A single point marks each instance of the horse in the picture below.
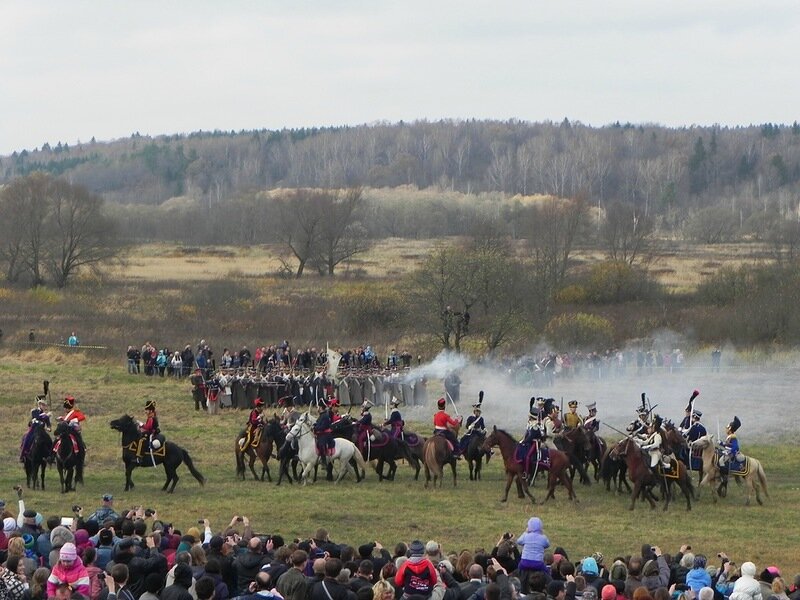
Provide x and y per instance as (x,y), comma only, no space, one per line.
(613,467)
(262,452)
(752,470)
(68,457)
(135,454)
(436,454)
(38,455)
(574,443)
(596,450)
(644,479)
(474,455)
(344,450)
(384,449)
(557,469)
(675,444)
(415,445)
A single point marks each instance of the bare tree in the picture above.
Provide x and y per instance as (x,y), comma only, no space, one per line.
(627,233)
(340,234)
(300,217)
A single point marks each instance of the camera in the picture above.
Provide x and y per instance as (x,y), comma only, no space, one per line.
(149,512)
(240,519)
(101,576)
(76,508)
(507,535)
(201,521)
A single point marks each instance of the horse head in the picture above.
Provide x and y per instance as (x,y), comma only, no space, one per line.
(125,424)
(62,428)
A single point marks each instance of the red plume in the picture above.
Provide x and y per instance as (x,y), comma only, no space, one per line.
(695,394)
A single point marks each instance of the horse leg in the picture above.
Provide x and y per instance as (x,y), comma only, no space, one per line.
(509,479)
(427,476)
(252,457)
(525,488)
(637,485)
(518,480)
(478,467)
(453,467)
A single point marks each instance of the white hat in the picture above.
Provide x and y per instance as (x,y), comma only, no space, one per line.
(9,525)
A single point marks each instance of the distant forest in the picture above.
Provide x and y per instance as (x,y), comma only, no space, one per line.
(710,183)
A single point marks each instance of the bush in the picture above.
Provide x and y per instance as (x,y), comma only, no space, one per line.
(579,331)
(612,282)
(370,307)
(571,294)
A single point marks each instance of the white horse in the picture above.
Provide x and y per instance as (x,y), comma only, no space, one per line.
(753,474)
(344,450)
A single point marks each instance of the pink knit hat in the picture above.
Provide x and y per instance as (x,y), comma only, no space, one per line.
(609,592)
(68,552)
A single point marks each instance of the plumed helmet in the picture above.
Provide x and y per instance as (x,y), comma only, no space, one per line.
(69,402)
(41,400)
(366,405)
(441,403)
(591,406)
(694,395)
(480,396)
(150,405)
(697,413)
(657,422)
(735,424)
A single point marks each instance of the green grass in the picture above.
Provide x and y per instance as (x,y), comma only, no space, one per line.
(468,516)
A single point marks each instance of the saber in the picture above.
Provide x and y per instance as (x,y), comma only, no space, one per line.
(453,402)
(627,435)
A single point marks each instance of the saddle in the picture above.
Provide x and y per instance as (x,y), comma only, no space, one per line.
(141,447)
(250,438)
(412,439)
(75,447)
(450,445)
(671,473)
(537,453)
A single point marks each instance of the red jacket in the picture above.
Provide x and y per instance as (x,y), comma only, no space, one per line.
(416,578)
(441,420)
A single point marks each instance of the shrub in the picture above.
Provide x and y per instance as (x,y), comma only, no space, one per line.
(571,294)
(611,282)
(579,330)
(369,307)
(43,295)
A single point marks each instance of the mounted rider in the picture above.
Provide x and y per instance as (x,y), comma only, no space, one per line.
(395,421)
(572,419)
(290,413)
(442,422)
(638,428)
(254,427)
(551,425)
(40,417)
(150,427)
(653,444)
(73,417)
(697,430)
(730,447)
(528,448)
(686,423)
(364,425)
(590,422)
(323,431)
(476,427)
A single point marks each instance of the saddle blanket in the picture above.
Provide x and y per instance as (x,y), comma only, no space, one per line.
(74,441)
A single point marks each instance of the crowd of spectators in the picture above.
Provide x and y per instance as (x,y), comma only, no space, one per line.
(153,361)
(137,554)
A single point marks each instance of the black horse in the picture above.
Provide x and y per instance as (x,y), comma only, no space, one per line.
(574,444)
(384,449)
(68,458)
(39,453)
(474,455)
(135,454)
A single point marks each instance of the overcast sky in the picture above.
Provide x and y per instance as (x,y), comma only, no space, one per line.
(70,70)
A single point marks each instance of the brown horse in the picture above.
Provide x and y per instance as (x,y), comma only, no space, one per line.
(436,454)
(574,443)
(263,452)
(515,471)
(644,479)
(755,478)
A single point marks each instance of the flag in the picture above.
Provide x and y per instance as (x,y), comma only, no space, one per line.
(333,361)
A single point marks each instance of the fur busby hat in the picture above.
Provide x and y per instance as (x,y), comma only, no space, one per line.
(694,395)
(549,405)
(735,424)
(657,422)
(150,405)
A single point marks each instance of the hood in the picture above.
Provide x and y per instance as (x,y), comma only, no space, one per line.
(589,566)
(183,576)
(60,536)
(535,525)
(250,560)
(748,569)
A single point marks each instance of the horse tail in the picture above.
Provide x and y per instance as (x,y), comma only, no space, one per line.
(79,470)
(362,464)
(762,478)
(240,470)
(188,460)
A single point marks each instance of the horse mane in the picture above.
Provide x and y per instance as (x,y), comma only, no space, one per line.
(506,434)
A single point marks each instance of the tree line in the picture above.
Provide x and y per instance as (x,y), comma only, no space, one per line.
(666,173)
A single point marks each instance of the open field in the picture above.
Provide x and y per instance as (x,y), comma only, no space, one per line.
(465,517)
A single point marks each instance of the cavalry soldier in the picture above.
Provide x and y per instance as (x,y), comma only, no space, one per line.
(638,428)
(39,416)
(254,425)
(475,425)
(697,430)
(652,444)
(364,425)
(74,417)
(591,423)
(686,423)
(150,427)
(730,446)
(572,419)
(551,424)
(324,432)
(527,449)
(290,413)
(395,421)
(442,423)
